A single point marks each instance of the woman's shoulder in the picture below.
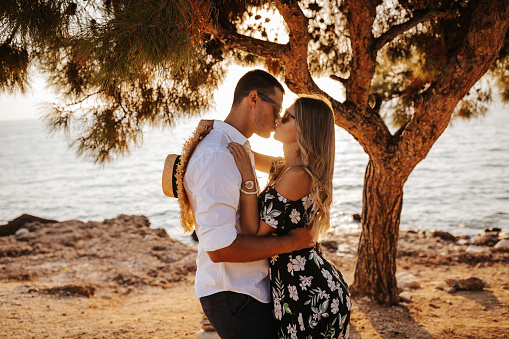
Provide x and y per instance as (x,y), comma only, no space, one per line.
(294,184)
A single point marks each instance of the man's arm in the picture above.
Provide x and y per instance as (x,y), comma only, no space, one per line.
(247,247)
(263,162)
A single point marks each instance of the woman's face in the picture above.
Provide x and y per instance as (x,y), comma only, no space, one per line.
(285,127)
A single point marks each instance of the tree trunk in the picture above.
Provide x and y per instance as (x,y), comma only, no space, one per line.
(376,263)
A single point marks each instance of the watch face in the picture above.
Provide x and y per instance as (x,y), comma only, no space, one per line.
(249,184)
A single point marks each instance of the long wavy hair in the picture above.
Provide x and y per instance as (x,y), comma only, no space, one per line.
(314,123)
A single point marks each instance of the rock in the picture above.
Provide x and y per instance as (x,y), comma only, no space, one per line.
(205,324)
(502,244)
(70,291)
(463,242)
(450,289)
(495,230)
(405,296)
(356,217)
(330,245)
(470,284)
(194,236)
(22,231)
(504,235)
(207,335)
(14,225)
(443,235)
(486,239)
(440,285)
(407,280)
(474,249)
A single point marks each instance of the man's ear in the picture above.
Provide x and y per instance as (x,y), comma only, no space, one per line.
(252,99)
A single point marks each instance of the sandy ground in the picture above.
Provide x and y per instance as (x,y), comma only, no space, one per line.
(121,279)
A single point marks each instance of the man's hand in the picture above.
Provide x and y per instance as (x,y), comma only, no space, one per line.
(304,237)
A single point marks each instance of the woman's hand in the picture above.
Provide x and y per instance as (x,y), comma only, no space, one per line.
(242,160)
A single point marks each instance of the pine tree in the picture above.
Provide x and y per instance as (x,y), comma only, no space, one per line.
(412,65)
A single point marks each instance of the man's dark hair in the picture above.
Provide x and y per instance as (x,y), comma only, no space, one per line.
(256,80)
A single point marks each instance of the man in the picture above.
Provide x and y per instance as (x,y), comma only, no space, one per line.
(232,275)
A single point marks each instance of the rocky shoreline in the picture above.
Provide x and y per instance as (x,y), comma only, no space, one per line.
(122,279)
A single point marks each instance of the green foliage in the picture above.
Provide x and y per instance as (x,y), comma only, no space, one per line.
(408,64)
(329,49)
(500,74)
(119,65)
(13,69)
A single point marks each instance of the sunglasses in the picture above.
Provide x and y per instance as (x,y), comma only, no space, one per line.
(266,98)
(287,117)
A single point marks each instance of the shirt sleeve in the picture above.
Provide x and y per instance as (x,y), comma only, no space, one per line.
(215,188)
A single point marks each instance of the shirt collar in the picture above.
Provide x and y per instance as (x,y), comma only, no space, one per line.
(231,131)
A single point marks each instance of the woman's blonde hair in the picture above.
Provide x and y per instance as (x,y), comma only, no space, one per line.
(314,123)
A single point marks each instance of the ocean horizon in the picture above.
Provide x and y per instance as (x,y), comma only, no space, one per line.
(461,187)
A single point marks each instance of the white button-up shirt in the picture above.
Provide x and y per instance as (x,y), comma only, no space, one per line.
(212,183)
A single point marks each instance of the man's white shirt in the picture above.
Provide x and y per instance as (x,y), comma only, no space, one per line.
(212,183)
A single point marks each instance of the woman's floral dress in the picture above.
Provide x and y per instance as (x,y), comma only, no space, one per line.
(309,293)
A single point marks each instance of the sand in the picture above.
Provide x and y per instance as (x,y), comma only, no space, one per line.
(122,279)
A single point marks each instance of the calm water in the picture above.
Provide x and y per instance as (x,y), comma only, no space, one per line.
(462,186)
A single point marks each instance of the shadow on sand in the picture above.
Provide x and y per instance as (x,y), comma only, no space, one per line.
(387,322)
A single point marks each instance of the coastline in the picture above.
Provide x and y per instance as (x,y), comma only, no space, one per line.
(122,279)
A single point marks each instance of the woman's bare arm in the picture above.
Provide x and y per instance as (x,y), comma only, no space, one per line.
(249,214)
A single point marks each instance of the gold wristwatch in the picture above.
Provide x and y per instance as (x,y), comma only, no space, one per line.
(248,184)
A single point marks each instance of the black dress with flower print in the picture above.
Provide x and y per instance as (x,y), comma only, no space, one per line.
(309,293)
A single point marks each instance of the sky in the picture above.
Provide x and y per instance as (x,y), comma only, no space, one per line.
(26,106)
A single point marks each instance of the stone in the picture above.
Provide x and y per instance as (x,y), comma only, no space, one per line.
(474,249)
(356,217)
(486,239)
(450,289)
(407,280)
(22,231)
(470,284)
(443,235)
(504,235)
(495,230)
(207,335)
(405,296)
(463,242)
(502,244)
(330,245)
(14,225)
(440,285)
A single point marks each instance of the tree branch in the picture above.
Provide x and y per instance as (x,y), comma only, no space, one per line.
(361,15)
(476,54)
(248,44)
(417,18)
(343,81)
(295,56)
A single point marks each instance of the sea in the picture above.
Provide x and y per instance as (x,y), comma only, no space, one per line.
(461,187)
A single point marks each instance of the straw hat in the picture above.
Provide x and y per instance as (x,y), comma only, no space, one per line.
(175,167)
(169,182)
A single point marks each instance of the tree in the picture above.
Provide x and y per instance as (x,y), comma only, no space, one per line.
(411,64)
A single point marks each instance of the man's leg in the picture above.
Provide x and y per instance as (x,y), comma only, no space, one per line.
(236,316)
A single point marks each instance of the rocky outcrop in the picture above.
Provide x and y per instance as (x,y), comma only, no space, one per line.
(14,225)
(123,251)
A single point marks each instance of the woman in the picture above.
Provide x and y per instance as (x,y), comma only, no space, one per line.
(310,295)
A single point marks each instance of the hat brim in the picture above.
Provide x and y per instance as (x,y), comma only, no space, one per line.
(169,180)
